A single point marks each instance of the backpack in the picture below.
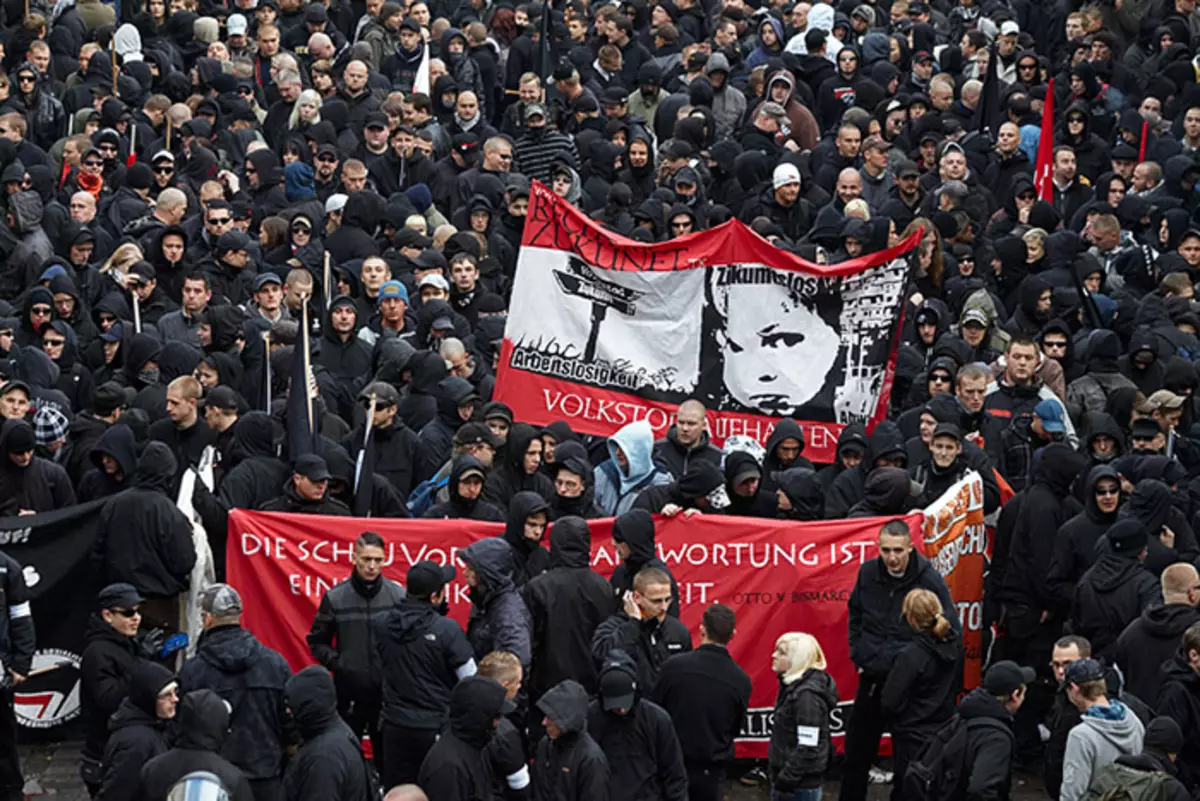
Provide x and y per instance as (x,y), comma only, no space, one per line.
(941,769)
(1117,782)
(423,496)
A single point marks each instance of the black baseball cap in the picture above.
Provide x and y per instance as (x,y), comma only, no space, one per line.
(427,577)
(118,596)
(1006,677)
(1082,671)
(475,434)
(312,467)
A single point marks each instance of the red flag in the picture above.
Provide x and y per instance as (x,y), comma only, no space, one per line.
(1145,136)
(1042,173)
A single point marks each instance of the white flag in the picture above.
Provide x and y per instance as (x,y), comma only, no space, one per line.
(421,82)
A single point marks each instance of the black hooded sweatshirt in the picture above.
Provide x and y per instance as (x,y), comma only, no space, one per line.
(142,537)
(571,767)
(1075,546)
(530,559)
(850,486)
(203,721)
(805,493)
(566,603)
(119,443)
(108,659)
(1151,503)
(41,485)
(1113,593)
(330,762)
(1148,642)
(455,767)
(509,477)
(1046,504)
(922,686)
(138,735)
(499,620)
(459,507)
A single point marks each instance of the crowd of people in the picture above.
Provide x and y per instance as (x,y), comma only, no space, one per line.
(200,195)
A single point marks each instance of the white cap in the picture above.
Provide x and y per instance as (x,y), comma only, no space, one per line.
(335,203)
(236,25)
(786,174)
(1009,28)
(433,279)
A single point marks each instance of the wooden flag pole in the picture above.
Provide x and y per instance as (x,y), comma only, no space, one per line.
(328,290)
(267,364)
(168,129)
(113,56)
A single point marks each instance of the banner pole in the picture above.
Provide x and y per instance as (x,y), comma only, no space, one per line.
(308,398)
(267,364)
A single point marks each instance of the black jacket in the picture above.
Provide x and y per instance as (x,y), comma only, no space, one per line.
(850,486)
(138,735)
(990,746)
(675,457)
(801,706)
(202,721)
(650,642)
(571,767)
(509,477)
(251,677)
(707,730)
(566,604)
(1179,699)
(1147,642)
(1046,504)
(292,502)
(456,767)
(877,628)
(642,749)
(342,637)
(41,486)
(396,454)
(142,537)
(16,625)
(329,764)
(435,442)
(418,652)
(924,681)
(1112,594)
(499,620)
(1075,546)
(107,661)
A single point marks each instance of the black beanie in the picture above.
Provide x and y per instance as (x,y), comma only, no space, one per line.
(700,479)
(20,439)
(1164,734)
(139,176)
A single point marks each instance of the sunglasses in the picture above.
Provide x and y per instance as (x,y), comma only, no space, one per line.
(54,343)
(327,159)
(128,612)
(26,79)
(219,220)
(251,171)
(92,163)
(40,310)
(302,229)
(940,378)
(245,90)
(107,318)
(681,225)
(1108,492)
(164,170)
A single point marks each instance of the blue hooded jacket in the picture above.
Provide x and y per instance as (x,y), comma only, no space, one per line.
(298,182)
(617,489)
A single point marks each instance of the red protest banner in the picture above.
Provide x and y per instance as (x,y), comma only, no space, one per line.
(777,576)
(604,331)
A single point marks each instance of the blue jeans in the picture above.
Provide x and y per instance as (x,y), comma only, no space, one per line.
(811,794)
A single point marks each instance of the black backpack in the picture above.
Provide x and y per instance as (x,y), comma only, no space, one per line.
(939,773)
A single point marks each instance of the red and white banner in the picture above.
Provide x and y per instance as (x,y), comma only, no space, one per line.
(603,331)
(778,576)
(957,543)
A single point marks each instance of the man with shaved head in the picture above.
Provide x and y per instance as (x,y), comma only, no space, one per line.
(1154,637)
(356,94)
(686,440)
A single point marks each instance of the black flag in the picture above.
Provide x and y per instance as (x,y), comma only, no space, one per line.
(988,114)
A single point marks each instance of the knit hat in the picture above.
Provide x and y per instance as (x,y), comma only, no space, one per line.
(786,174)
(21,438)
(1163,734)
(139,176)
(49,425)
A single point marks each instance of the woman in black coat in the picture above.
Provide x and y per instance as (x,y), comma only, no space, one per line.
(919,693)
(799,750)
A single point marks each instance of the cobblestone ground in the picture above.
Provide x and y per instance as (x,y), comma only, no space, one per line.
(52,771)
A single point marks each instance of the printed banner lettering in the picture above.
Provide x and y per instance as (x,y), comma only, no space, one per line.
(777,576)
(603,331)
(956,542)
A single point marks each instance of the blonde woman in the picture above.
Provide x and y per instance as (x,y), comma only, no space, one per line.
(918,696)
(799,749)
(306,111)
(118,264)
